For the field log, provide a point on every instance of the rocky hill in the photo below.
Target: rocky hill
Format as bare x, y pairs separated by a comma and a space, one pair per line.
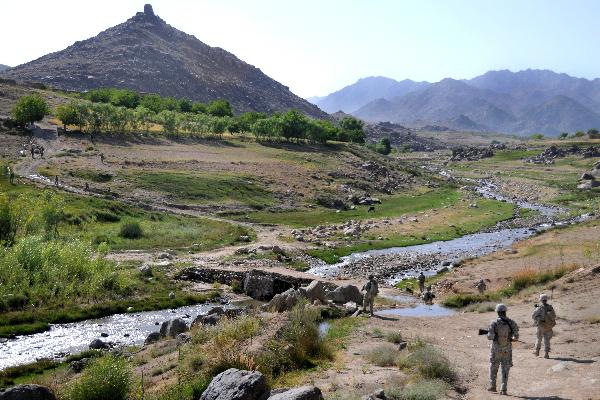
525, 102
148, 55
3, 67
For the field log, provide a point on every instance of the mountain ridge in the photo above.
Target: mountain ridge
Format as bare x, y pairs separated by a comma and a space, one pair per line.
146, 54
503, 101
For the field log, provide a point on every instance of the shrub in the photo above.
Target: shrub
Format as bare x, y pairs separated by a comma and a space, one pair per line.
30, 109
107, 216
393, 337
383, 355
422, 390
429, 362
8, 221
108, 378
131, 230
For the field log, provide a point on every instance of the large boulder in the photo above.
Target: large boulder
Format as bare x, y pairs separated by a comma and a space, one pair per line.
98, 344
235, 384
301, 393
344, 294
283, 301
212, 319
153, 337
263, 286
173, 327
314, 291
27, 392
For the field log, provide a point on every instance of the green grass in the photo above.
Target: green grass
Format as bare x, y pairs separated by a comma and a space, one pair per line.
392, 206
89, 175
340, 331
511, 155
519, 281
97, 220
488, 213
197, 188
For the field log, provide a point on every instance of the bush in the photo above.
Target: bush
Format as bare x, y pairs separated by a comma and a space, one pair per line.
383, 355
422, 390
393, 337
8, 221
428, 362
131, 230
108, 378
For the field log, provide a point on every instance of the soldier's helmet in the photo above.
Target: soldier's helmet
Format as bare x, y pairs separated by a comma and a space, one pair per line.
543, 297
371, 277
501, 308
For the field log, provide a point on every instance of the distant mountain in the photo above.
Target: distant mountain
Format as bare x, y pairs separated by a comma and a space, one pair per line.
3, 67
353, 97
525, 102
148, 55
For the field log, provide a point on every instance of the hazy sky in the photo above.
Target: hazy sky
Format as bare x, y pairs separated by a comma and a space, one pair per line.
316, 47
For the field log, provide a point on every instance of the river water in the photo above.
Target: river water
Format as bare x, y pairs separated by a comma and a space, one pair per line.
73, 338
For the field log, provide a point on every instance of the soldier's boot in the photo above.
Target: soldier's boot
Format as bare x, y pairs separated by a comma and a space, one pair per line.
536, 352
491, 389
546, 355
503, 392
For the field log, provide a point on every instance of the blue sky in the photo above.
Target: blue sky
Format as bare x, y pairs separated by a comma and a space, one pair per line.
316, 47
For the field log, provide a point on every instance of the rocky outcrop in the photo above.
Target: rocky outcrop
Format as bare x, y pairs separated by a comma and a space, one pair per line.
589, 180
315, 291
173, 327
98, 344
301, 393
401, 136
344, 294
27, 392
471, 153
283, 301
235, 384
153, 337
259, 285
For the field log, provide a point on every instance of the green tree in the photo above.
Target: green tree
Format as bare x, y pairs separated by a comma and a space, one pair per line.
352, 130
316, 133
384, 146
185, 105
220, 108
266, 128
579, 134
101, 95
593, 133
564, 135
537, 136
124, 98
247, 119
143, 117
30, 109
170, 121
68, 114
153, 102
199, 108
293, 125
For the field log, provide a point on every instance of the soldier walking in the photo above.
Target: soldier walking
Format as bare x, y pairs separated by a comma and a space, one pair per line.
11, 176
481, 286
544, 319
501, 332
427, 296
371, 289
421, 280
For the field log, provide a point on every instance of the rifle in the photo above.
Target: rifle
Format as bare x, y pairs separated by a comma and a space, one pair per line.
485, 332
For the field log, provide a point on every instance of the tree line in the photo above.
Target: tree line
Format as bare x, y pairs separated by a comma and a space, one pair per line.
117, 111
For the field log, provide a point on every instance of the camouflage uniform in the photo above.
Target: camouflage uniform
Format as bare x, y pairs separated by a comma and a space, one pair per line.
481, 286
501, 332
544, 318
427, 296
371, 289
421, 280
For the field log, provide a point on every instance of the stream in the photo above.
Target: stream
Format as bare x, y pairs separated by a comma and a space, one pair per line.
64, 339
452, 251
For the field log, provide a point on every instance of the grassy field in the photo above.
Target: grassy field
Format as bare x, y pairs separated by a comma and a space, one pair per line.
97, 220
391, 206
466, 220
203, 188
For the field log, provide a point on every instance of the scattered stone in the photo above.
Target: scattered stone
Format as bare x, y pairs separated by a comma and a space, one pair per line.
98, 344
27, 392
283, 301
314, 291
173, 327
183, 338
153, 338
234, 384
344, 294
146, 270
301, 393
104, 334
206, 320
165, 256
